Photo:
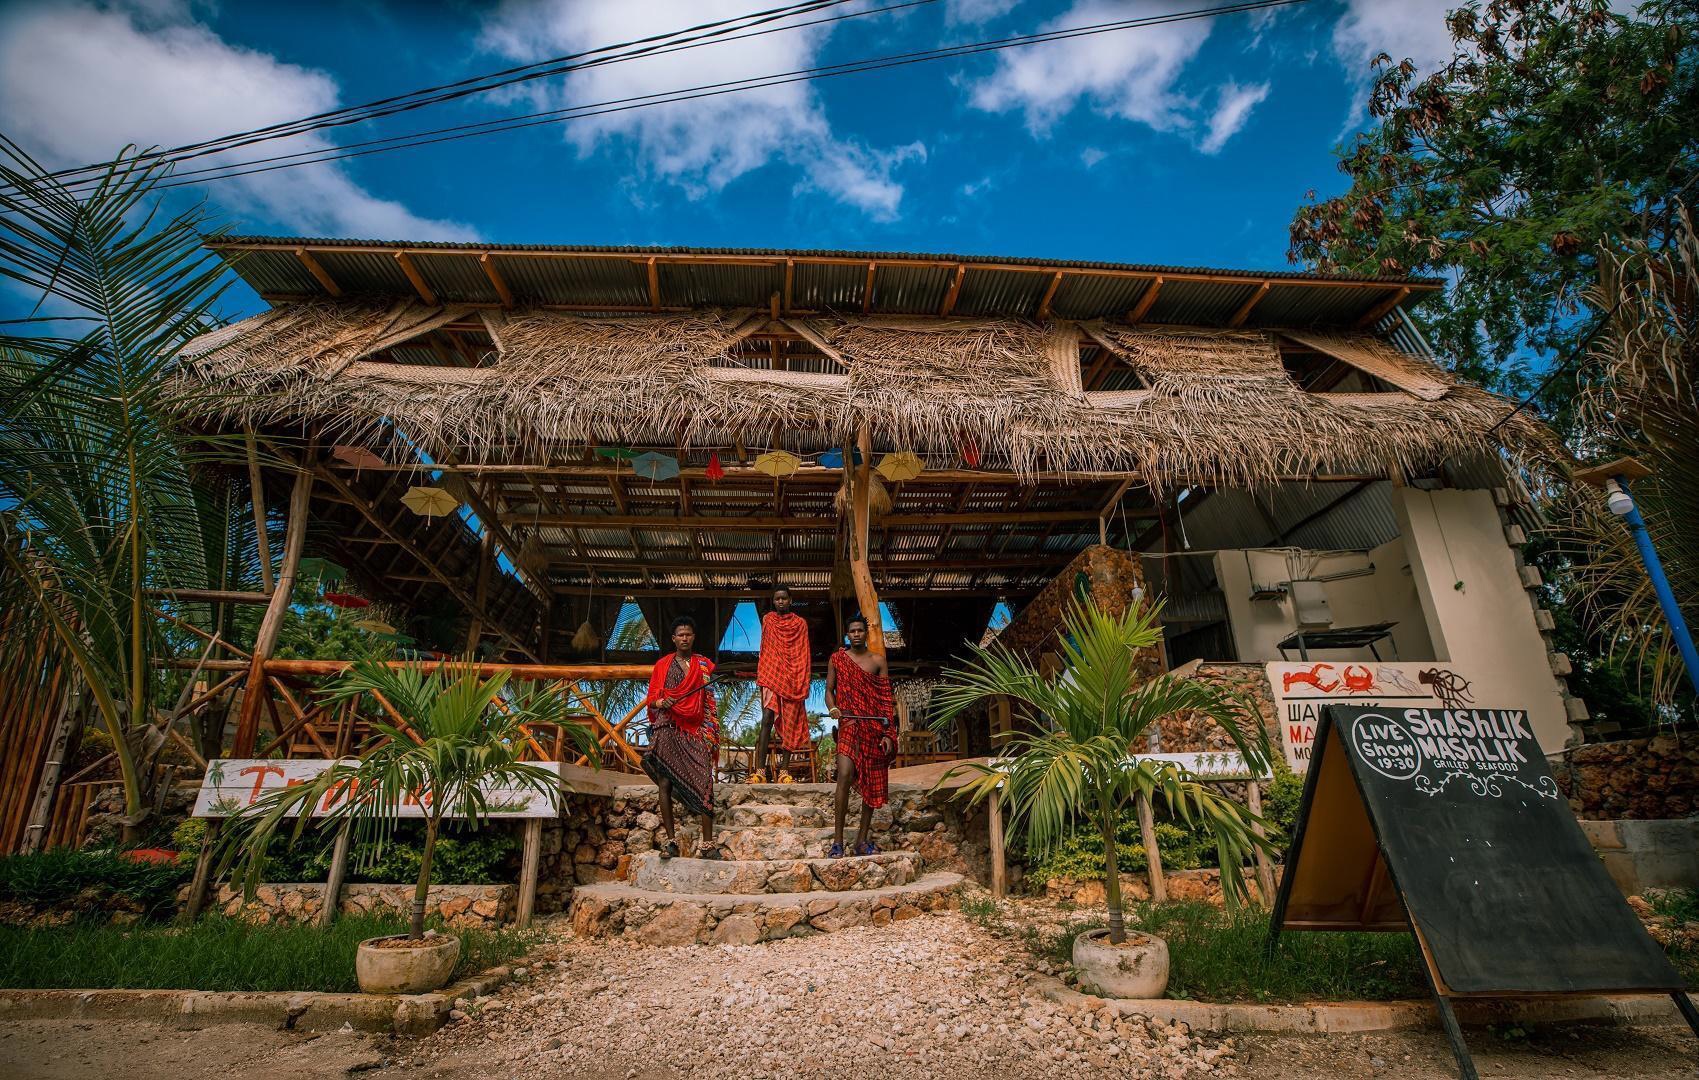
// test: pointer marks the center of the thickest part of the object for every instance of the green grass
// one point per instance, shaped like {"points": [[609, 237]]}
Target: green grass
{"points": [[1218, 956], [216, 954], [1681, 907]]}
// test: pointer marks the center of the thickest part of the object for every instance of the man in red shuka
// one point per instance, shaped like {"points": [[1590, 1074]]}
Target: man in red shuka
{"points": [[858, 695], [684, 737], [783, 675]]}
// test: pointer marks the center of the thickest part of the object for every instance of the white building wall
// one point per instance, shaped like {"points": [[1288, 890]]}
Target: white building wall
{"points": [[1476, 607]]}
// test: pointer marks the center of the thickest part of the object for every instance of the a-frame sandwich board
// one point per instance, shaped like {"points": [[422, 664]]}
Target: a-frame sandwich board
{"points": [[1447, 823]]}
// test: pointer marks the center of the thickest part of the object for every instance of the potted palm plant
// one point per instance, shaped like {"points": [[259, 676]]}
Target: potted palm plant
{"points": [[1074, 767], [452, 739]]}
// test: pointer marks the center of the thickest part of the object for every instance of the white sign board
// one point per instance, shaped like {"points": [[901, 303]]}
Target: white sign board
{"points": [[1210, 764], [1302, 689], [232, 785]]}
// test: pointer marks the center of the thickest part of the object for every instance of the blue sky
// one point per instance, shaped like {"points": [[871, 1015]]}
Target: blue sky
{"points": [[1188, 143]]}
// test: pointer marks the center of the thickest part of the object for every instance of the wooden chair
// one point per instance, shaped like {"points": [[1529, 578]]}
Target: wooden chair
{"points": [[801, 765]]}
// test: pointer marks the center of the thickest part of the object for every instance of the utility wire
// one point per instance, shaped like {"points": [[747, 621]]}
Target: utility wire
{"points": [[657, 44], [451, 134]]}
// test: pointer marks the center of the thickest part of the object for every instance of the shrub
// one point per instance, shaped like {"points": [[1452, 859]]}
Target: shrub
{"points": [[90, 881], [469, 858], [1080, 856]]}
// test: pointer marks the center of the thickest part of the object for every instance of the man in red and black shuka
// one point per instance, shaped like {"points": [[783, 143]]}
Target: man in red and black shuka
{"points": [[684, 737], [783, 674], [858, 695]]}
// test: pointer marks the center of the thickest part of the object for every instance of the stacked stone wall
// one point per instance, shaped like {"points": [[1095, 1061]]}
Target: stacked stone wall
{"points": [[1637, 779]]}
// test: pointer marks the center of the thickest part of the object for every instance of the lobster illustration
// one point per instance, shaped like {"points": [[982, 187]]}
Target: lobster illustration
{"points": [[1311, 677]]}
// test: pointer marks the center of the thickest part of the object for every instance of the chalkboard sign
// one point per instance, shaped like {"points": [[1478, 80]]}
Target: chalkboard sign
{"points": [[1501, 885]]}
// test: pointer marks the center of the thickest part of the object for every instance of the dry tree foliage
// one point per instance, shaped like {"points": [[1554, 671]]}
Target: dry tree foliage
{"points": [[1640, 398]]}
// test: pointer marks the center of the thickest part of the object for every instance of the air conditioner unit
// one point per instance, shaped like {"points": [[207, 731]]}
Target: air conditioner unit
{"points": [[1309, 603]]}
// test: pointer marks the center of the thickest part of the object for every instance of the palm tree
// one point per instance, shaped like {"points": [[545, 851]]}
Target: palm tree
{"points": [[97, 504], [1076, 766], [455, 736], [1640, 398]]}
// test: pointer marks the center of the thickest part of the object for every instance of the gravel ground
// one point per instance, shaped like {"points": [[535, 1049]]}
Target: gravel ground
{"points": [[933, 996]]}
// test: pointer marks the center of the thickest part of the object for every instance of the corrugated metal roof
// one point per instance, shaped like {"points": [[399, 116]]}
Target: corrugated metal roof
{"points": [[618, 279]]}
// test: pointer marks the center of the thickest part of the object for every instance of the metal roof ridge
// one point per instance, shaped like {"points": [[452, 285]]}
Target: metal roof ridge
{"points": [[647, 251]]}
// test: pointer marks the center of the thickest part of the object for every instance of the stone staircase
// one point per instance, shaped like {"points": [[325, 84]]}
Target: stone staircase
{"points": [[777, 881]]}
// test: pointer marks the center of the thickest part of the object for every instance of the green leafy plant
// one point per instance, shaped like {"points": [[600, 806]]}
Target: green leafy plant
{"points": [[89, 881], [455, 735], [1075, 766]]}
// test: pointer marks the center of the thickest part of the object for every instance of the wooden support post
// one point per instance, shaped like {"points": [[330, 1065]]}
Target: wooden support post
{"points": [[861, 514], [531, 859], [256, 494], [1152, 856], [338, 871], [203, 872], [248, 726], [481, 593], [999, 880], [1265, 865]]}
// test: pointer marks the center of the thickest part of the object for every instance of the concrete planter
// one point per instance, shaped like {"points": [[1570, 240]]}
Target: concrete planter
{"points": [[1137, 969], [415, 969]]}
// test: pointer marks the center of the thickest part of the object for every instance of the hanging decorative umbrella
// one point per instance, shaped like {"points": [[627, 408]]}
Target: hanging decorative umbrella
{"points": [[322, 570], [374, 626], [616, 453], [430, 501], [900, 466], [357, 456], [715, 472], [970, 453], [655, 466], [346, 600], [776, 463]]}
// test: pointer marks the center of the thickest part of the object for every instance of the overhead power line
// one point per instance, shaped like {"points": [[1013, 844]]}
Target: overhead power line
{"points": [[657, 44], [580, 112]]}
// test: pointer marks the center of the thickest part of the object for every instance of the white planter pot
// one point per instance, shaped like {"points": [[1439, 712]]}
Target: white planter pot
{"points": [[413, 969], [1136, 969]]}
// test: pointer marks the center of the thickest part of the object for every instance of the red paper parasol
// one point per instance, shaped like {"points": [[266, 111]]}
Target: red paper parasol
{"points": [[346, 600]]}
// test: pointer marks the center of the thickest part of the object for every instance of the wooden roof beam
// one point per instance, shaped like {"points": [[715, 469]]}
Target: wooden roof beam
{"points": [[949, 304], [654, 285], [820, 561], [792, 523], [487, 263], [405, 261], [790, 278], [1248, 306], [867, 290], [1380, 310], [1147, 300], [431, 566], [320, 274], [1049, 295]]}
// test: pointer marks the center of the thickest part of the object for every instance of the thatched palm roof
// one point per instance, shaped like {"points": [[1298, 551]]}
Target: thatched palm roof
{"points": [[1215, 406]]}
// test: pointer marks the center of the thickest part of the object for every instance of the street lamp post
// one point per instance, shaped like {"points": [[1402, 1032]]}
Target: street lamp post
{"points": [[1614, 478]]}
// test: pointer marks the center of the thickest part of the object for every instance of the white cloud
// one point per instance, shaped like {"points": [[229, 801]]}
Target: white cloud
{"points": [[1408, 29], [1231, 111], [704, 144], [79, 81], [1134, 74], [1130, 74], [1091, 155], [976, 11]]}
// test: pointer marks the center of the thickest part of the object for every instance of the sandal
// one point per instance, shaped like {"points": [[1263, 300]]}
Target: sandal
{"points": [[670, 851], [837, 851], [866, 847], [712, 852]]}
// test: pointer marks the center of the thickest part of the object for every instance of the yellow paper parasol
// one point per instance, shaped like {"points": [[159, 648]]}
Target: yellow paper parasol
{"points": [[900, 466], [429, 501], [777, 463], [376, 626]]}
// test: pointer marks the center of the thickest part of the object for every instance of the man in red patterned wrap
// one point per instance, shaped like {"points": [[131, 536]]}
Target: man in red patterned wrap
{"points": [[858, 695], [783, 675], [684, 737]]}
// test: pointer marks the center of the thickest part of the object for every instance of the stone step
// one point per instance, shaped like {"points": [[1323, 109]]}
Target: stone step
{"points": [[651, 917], [762, 842], [777, 815], [747, 877]]}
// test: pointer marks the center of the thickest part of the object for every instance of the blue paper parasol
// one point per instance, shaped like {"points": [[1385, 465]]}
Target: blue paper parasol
{"points": [[655, 466]]}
